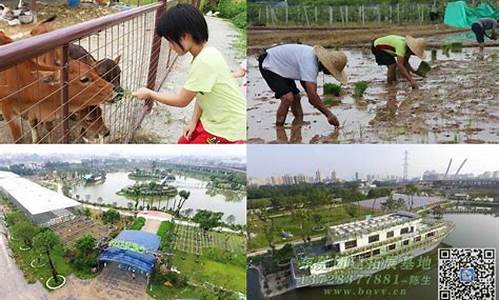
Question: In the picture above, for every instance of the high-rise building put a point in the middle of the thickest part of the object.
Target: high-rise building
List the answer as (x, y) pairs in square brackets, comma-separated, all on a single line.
[(298, 179), (334, 176), (356, 176), (318, 176), (288, 180)]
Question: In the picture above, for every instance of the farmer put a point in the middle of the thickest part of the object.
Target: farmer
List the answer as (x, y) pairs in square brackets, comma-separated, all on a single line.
[(395, 51), (219, 115), (280, 66), (479, 28)]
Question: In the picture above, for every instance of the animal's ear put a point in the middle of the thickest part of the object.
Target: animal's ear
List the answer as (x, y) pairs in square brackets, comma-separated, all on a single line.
[(117, 59)]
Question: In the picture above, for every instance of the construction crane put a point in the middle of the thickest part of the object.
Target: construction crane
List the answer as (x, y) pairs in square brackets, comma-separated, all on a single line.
[(460, 168), (448, 169)]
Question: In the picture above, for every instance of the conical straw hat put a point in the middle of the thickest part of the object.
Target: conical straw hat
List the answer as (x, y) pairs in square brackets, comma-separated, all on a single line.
[(333, 61), (416, 46)]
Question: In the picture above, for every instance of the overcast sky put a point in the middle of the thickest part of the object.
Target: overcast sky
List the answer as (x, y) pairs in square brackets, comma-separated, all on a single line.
[(276, 160), (143, 150)]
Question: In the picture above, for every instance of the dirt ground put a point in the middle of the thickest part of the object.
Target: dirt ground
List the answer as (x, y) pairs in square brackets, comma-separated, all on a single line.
[(456, 103), (65, 16), (339, 37)]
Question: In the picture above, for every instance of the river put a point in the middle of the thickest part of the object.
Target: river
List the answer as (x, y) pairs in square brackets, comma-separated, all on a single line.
[(199, 198), (472, 231)]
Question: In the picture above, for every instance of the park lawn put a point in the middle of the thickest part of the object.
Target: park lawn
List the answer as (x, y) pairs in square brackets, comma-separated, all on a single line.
[(62, 265), (157, 290), (220, 274), (286, 223)]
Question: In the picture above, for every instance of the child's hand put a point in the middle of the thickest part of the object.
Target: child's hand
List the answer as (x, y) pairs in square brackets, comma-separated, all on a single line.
[(143, 93), (188, 130)]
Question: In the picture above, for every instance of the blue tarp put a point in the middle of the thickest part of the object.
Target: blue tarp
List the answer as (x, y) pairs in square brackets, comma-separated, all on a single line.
[(139, 261), (148, 240)]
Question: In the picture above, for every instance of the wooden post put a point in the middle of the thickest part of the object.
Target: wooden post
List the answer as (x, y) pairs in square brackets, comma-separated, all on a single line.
[(305, 15), (363, 15), (330, 9), (390, 14), (316, 15), (398, 12), (347, 14), (341, 16), (286, 15), (33, 10), (267, 15)]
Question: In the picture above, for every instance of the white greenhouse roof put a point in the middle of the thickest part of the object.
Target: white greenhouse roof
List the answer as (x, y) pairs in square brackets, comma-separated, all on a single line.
[(35, 198)]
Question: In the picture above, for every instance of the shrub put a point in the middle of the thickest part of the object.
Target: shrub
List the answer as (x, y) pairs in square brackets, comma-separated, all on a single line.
[(360, 88), (332, 89), (235, 10), (137, 224)]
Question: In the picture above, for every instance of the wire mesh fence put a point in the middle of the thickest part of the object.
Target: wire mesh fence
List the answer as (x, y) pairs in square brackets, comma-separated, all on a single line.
[(344, 15), (73, 85)]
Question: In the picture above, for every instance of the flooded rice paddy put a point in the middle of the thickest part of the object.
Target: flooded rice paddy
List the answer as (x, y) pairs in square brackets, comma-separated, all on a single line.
[(456, 103)]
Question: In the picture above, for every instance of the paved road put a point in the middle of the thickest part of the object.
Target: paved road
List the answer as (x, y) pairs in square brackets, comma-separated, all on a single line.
[(13, 286)]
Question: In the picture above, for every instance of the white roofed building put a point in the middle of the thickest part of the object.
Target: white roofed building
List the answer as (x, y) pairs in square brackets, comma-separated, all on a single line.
[(42, 205)]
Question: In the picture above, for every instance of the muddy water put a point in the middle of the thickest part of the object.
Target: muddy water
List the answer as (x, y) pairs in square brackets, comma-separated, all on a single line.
[(456, 103)]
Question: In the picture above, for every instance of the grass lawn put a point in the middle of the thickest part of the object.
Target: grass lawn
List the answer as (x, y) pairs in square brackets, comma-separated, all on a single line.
[(160, 291), (62, 265), (203, 269), (286, 223)]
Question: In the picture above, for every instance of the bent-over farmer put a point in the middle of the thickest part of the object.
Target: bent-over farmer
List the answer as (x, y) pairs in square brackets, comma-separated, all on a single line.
[(480, 27), (282, 65), (394, 51)]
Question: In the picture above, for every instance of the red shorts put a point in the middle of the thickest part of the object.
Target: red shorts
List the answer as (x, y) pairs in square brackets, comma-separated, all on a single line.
[(200, 136)]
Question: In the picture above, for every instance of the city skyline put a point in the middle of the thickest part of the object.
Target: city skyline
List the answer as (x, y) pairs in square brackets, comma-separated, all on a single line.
[(346, 160), (142, 151)]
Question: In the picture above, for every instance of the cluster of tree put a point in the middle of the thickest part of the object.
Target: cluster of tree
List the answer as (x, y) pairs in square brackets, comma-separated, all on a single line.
[(84, 255), (20, 169), (227, 181), (304, 195), (208, 219), (110, 216)]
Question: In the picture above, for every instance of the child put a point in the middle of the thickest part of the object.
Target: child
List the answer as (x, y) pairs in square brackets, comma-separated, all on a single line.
[(219, 115), (395, 51)]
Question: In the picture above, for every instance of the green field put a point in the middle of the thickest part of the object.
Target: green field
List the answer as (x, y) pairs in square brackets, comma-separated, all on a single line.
[(62, 264), (208, 261), (192, 240), (286, 223)]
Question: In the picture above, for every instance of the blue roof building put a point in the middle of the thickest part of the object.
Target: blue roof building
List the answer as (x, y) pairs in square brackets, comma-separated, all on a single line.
[(133, 248)]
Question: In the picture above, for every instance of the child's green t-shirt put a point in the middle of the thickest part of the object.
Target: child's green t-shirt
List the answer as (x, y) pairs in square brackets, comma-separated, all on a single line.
[(221, 101)]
